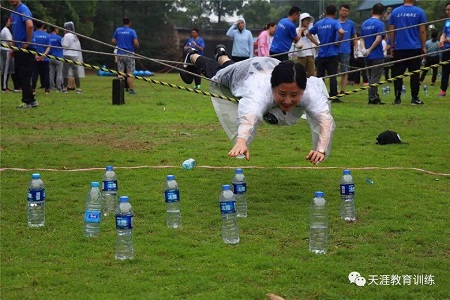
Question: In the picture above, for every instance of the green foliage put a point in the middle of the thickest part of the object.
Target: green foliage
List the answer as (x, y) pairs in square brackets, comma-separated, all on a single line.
[(402, 225)]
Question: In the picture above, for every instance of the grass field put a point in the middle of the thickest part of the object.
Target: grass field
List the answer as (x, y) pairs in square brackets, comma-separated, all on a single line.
[(402, 227)]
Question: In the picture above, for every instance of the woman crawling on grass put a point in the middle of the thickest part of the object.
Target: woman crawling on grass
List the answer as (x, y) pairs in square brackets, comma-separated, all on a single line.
[(270, 90)]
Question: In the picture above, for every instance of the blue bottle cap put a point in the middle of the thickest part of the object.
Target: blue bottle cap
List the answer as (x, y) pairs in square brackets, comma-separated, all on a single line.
[(318, 194), (346, 172), (238, 171), (94, 184), (123, 198), (36, 176), (226, 187), (170, 177), (109, 168)]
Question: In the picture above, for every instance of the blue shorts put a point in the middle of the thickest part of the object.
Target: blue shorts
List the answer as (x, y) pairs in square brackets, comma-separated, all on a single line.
[(344, 61)]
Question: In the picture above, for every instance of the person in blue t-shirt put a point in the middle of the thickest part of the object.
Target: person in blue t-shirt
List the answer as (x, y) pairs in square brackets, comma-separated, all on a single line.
[(407, 43), (327, 60), (344, 49), (126, 41), (22, 31), (197, 43), (285, 34), (372, 32), (444, 43), (41, 40), (56, 66)]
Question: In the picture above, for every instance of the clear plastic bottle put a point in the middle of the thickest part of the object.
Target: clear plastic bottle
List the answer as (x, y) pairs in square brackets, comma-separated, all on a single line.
[(240, 192), (124, 226), (388, 89), (189, 164), (403, 89), (425, 89), (172, 199), (36, 202), (93, 213), (318, 231), (109, 191), (347, 197), (227, 202)]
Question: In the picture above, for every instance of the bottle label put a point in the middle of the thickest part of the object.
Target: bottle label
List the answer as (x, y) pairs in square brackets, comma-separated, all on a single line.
[(92, 216), (172, 196), (109, 185), (124, 222), (239, 188), (36, 195), (227, 207), (347, 189)]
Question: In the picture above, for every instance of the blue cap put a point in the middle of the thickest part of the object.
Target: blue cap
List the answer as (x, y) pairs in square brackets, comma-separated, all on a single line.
[(170, 177), (36, 176), (109, 168), (123, 198), (94, 184), (226, 187), (238, 171), (346, 172), (318, 194)]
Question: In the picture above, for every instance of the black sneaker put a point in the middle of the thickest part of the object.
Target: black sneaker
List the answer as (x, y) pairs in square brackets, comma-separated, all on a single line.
[(220, 50), (337, 101), (397, 101), (416, 101), (376, 102)]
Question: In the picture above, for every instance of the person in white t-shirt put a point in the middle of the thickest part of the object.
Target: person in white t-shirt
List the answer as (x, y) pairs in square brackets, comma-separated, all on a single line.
[(306, 50), (6, 59)]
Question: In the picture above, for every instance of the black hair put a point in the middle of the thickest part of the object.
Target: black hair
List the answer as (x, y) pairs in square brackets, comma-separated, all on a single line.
[(294, 10), (378, 9), (330, 10), (288, 72), (345, 6), (434, 35), (271, 24), (52, 28), (195, 29), (38, 24), (126, 21)]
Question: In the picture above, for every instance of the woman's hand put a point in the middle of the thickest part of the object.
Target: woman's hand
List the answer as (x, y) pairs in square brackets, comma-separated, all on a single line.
[(240, 148), (315, 157)]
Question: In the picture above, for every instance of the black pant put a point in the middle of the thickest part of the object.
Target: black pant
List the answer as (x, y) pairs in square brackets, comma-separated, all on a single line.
[(429, 61), (411, 65), (330, 65), (41, 69), (360, 63), (279, 56), (445, 71), (238, 58), (24, 66), (209, 67)]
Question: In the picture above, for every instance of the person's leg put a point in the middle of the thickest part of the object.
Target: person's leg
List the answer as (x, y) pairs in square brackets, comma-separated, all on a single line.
[(424, 73), (35, 75), (207, 66), (445, 73), (320, 67), (332, 69), (310, 67), (344, 60), (59, 75), (398, 69), (130, 66), (51, 73), (375, 76), (66, 67), (434, 60), (45, 75), (413, 65)]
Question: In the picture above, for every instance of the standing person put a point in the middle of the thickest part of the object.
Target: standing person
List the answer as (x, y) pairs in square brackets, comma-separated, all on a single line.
[(126, 39), (41, 40), (264, 39), (56, 66), (305, 57), (116, 59), (197, 43), (6, 57), (270, 90), (327, 60), (432, 57), (285, 35), (407, 43), (387, 56), (345, 48), (444, 43), (71, 51), (372, 31), (22, 31), (360, 63), (242, 40)]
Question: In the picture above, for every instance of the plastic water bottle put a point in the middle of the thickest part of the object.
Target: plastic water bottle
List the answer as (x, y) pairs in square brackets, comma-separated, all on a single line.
[(93, 213), (227, 202), (240, 192), (36, 202), (384, 91), (318, 231), (189, 164), (388, 89), (425, 90), (124, 226), (172, 198), (403, 89), (347, 197), (109, 191)]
